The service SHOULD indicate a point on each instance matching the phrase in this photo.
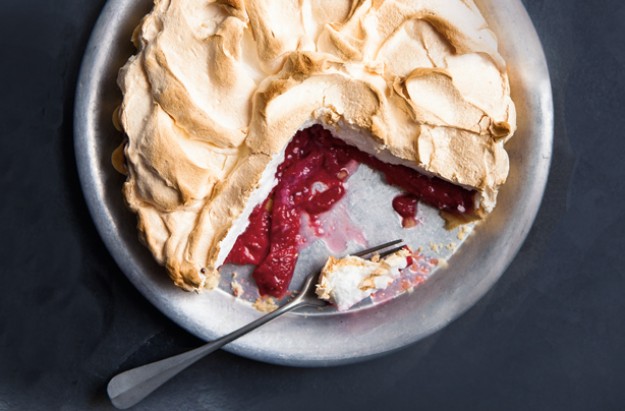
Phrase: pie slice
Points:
(218, 90)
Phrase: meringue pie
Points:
(218, 89)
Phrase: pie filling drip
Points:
(310, 180)
(406, 206)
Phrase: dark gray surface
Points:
(550, 335)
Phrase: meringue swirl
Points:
(218, 88)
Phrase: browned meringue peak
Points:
(217, 90)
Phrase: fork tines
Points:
(382, 249)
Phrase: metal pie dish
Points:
(301, 339)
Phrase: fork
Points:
(129, 387)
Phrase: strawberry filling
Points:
(311, 180)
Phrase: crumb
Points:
(235, 286)
(375, 258)
(435, 247)
(265, 305)
(237, 289)
(451, 246)
(442, 263)
(462, 232)
(211, 280)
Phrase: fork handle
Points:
(129, 387)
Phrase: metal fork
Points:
(129, 387)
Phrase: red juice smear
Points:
(310, 181)
(336, 229)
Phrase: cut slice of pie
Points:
(313, 177)
(218, 90)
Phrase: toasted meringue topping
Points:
(218, 88)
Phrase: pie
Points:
(218, 89)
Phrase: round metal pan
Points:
(336, 338)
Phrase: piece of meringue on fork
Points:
(344, 282)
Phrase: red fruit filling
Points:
(311, 180)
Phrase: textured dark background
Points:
(550, 334)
